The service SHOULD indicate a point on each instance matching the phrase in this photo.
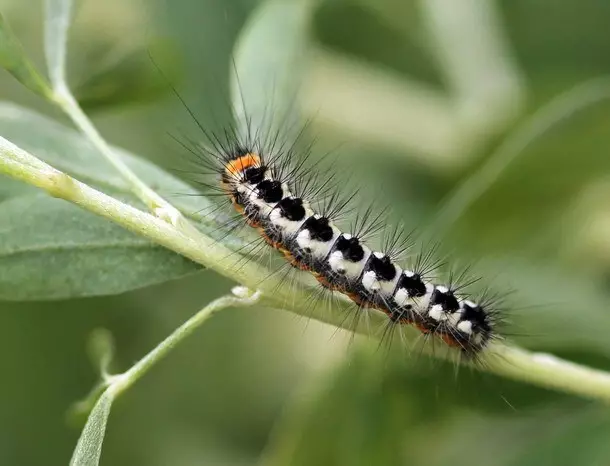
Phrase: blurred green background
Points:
(412, 98)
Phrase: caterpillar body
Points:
(262, 189)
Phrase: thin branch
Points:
(89, 447)
(241, 297)
(57, 24)
(498, 358)
(115, 384)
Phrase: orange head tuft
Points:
(240, 164)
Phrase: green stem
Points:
(192, 244)
(548, 371)
(159, 206)
(99, 401)
(499, 358)
(57, 24)
(118, 383)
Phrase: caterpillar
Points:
(267, 185)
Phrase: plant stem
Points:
(548, 370)
(118, 383)
(499, 358)
(57, 24)
(194, 245)
(99, 401)
(159, 206)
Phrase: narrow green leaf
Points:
(128, 78)
(71, 152)
(353, 418)
(15, 61)
(11, 188)
(524, 151)
(50, 249)
(89, 447)
(269, 60)
(587, 428)
(378, 407)
(57, 22)
(517, 437)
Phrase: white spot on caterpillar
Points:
(465, 327)
(436, 312)
(401, 297)
(370, 282)
(421, 303)
(336, 262)
(350, 269)
(318, 249)
(386, 287)
(288, 227)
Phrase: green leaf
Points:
(14, 60)
(269, 61)
(89, 447)
(508, 211)
(558, 435)
(129, 77)
(69, 151)
(58, 251)
(351, 419)
(57, 23)
(382, 408)
(11, 188)
(50, 249)
(587, 428)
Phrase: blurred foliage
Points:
(261, 387)
(14, 60)
(128, 77)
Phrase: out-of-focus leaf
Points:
(130, 77)
(268, 65)
(379, 408)
(547, 118)
(89, 447)
(71, 152)
(570, 438)
(353, 418)
(526, 204)
(50, 249)
(558, 436)
(11, 188)
(14, 60)
(57, 23)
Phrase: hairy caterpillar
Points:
(268, 185)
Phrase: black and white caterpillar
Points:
(262, 189)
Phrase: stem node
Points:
(61, 186)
